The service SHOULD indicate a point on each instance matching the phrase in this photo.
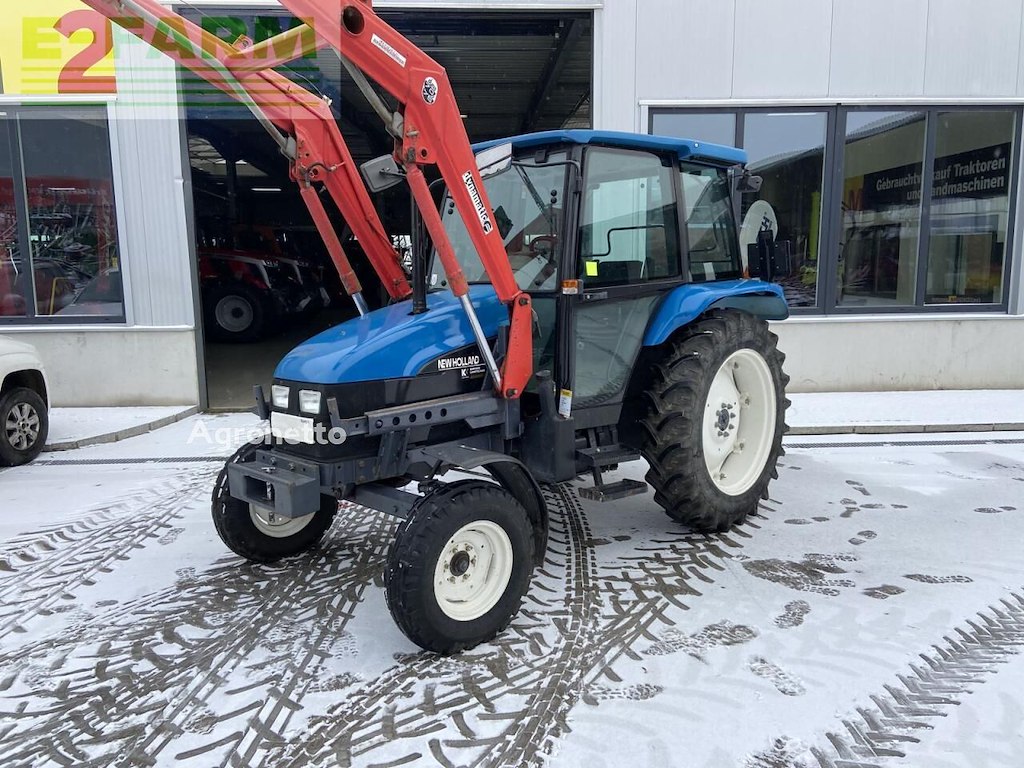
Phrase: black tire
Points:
(415, 553)
(246, 305)
(24, 425)
(677, 397)
(236, 528)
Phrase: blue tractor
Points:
(576, 300)
(648, 341)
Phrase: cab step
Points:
(607, 455)
(614, 491)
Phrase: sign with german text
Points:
(979, 173)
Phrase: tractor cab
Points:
(609, 233)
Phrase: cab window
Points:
(528, 202)
(711, 229)
(629, 231)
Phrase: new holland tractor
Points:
(577, 301)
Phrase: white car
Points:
(24, 418)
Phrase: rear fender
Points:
(684, 304)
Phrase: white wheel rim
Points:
(473, 570)
(22, 426)
(739, 422)
(277, 527)
(234, 314)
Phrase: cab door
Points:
(628, 256)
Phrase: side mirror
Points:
(381, 173)
(491, 162)
(747, 182)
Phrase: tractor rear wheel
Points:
(716, 416)
(235, 312)
(255, 533)
(459, 566)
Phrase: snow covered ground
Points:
(69, 426)
(871, 615)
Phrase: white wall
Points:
(788, 49)
(116, 366)
(151, 193)
(905, 353)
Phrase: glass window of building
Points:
(629, 229)
(857, 213)
(787, 149)
(970, 207)
(711, 230)
(880, 231)
(712, 127)
(12, 267)
(72, 227)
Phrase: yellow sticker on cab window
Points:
(591, 268)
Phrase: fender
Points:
(23, 360)
(510, 473)
(684, 304)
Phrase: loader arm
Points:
(427, 129)
(300, 123)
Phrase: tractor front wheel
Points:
(459, 566)
(713, 431)
(256, 533)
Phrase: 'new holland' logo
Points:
(478, 203)
(448, 363)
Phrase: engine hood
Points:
(390, 343)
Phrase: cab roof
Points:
(684, 148)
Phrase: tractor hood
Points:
(390, 343)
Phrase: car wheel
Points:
(24, 425)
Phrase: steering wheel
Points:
(543, 246)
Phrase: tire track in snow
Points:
(42, 569)
(510, 703)
(887, 729)
(417, 698)
(265, 729)
(149, 681)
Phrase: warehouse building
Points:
(887, 138)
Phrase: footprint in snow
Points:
(884, 592)
(808, 575)
(858, 486)
(712, 636)
(793, 615)
(784, 682)
(596, 693)
(861, 537)
(926, 579)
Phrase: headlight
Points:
(309, 401)
(279, 396)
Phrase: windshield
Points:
(528, 210)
